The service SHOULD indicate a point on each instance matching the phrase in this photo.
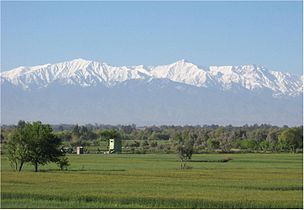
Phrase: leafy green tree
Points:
(43, 146)
(225, 140)
(184, 153)
(34, 143)
(184, 149)
(219, 132)
(181, 152)
(202, 138)
(76, 130)
(21, 124)
(213, 144)
(17, 148)
(291, 139)
(109, 134)
(189, 148)
(258, 135)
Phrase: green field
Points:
(155, 181)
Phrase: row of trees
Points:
(39, 144)
(204, 138)
(34, 143)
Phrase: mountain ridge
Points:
(87, 73)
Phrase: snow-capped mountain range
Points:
(85, 73)
(82, 91)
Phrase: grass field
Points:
(155, 181)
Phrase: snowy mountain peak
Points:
(80, 60)
(87, 73)
(183, 62)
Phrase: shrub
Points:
(63, 163)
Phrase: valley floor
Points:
(155, 181)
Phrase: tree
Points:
(21, 124)
(291, 139)
(272, 138)
(76, 130)
(188, 148)
(34, 143)
(184, 150)
(181, 151)
(226, 141)
(259, 135)
(44, 146)
(109, 134)
(218, 132)
(184, 153)
(212, 144)
(17, 148)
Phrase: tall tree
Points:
(184, 148)
(272, 138)
(44, 146)
(17, 147)
(291, 139)
(34, 143)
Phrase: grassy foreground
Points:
(155, 181)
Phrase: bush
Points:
(63, 163)
(246, 144)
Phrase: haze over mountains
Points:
(82, 91)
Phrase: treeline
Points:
(247, 138)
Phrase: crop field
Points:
(155, 181)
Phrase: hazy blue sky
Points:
(152, 33)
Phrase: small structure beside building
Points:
(79, 150)
(114, 146)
